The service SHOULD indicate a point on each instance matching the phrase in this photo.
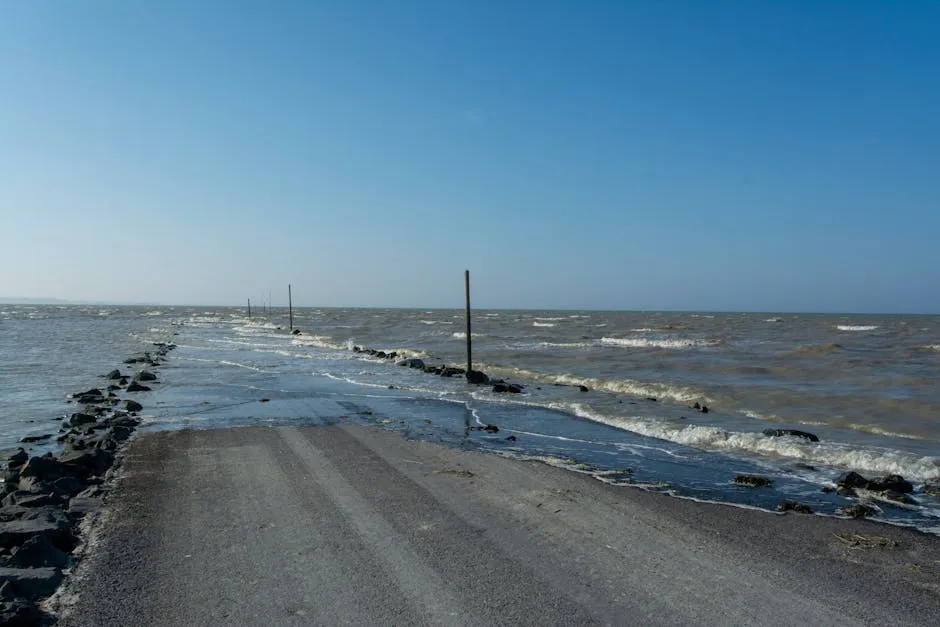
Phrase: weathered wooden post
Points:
(466, 280)
(249, 309)
(290, 307)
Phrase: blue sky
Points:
(772, 156)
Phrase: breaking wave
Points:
(871, 460)
(857, 327)
(676, 343)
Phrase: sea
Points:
(608, 394)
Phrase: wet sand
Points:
(355, 525)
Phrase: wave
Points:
(816, 349)
(774, 320)
(462, 335)
(930, 347)
(549, 319)
(543, 324)
(856, 327)
(628, 387)
(870, 460)
(677, 343)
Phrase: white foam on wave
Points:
(774, 320)
(463, 335)
(318, 341)
(644, 330)
(856, 327)
(549, 319)
(543, 324)
(428, 321)
(932, 347)
(673, 343)
(871, 460)
(876, 430)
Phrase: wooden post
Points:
(290, 307)
(466, 280)
(249, 309)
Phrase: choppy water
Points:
(868, 386)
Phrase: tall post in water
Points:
(466, 280)
(290, 307)
(249, 309)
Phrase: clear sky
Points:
(771, 156)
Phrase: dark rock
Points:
(13, 458)
(752, 481)
(93, 392)
(36, 552)
(87, 462)
(450, 371)
(511, 438)
(119, 434)
(696, 405)
(477, 377)
(264, 400)
(895, 483)
(136, 387)
(507, 387)
(584, 388)
(858, 510)
(412, 363)
(80, 419)
(32, 583)
(123, 420)
(114, 375)
(67, 486)
(778, 433)
(295, 332)
(6, 594)
(652, 398)
(846, 492)
(899, 497)
(20, 612)
(30, 499)
(35, 438)
(853, 480)
(793, 506)
(132, 406)
(36, 522)
(491, 429)
(436, 370)
(43, 468)
(357, 349)
(145, 375)
(381, 354)
(704, 409)
(112, 388)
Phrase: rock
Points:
(119, 434)
(80, 419)
(93, 392)
(295, 332)
(511, 438)
(899, 497)
(20, 612)
(112, 388)
(136, 387)
(704, 409)
(852, 480)
(35, 438)
(778, 433)
(132, 406)
(43, 468)
(753, 481)
(696, 405)
(32, 583)
(34, 485)
(114, 375)
(450, 371)
(412, 363)
(67, 486)
(507, 387)
(436, 370)
(381, 354)
(92, 461)
(145, 375)
(36, 552)
(36, 522)
(13, 458)
(652, 398)
(30, 499)
(932, 488)
(491, 429)
(793, 506)
(477, 377)
(859, 510)
(895, 483)
(584, 388)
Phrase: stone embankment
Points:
(44, 499)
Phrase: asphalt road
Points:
(349, 525)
